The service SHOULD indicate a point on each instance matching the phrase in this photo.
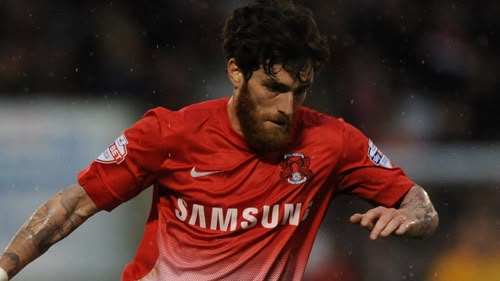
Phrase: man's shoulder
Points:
(310, 118)
(190, 113)
(320, 127)
(203, 105)
(190, 120)
(208, 105)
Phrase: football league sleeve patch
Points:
(115, 153)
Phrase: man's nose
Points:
(286, 103)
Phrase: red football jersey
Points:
(221, 213)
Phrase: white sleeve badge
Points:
(377, 156)
(115, 153)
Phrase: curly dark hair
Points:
(269, 32)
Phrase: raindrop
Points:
(352, 101)
(76, 69)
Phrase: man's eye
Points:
(274, 90)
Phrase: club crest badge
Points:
(295, 168)
(115, 153)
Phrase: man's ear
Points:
(234, 73)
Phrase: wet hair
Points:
(269, 32)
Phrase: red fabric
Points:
(247, 219)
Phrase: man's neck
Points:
(233, 119)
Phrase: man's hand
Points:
(416, 217)
(382, 221)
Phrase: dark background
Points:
(441, 55)
(407, 73)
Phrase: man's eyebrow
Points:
(274, 84)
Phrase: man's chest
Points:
(240, 193)
(221, 177)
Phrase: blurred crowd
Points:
(402, 71)
(430, 65)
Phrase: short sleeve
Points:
(367, 172)
(127, 166)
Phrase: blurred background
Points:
(418, 77)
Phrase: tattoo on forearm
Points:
(13, 257)
(52, 222)
(14, 260)
(420, 205)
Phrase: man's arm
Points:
(415, 217)
(53, 221)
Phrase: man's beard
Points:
(260, 139)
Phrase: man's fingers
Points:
(381, 222)
(370, 218)
(366, 220)
(356, 218)
(392, 222)
(392, 226)
(403, 228)
(384, 226)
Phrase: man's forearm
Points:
(418, 203)
(53, 221)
